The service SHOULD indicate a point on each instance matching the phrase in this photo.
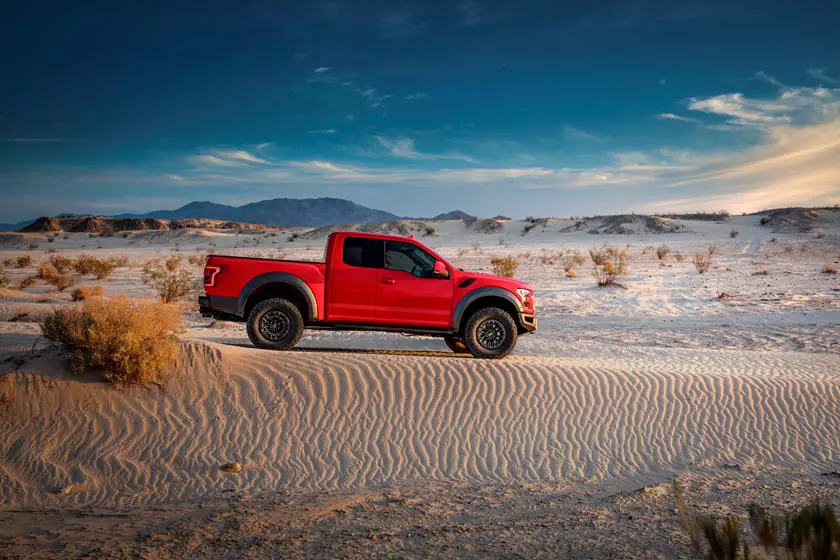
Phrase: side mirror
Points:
(440, 270)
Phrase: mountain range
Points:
(312, 212)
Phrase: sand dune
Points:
(317, 419)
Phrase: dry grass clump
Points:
(129, 341)
(85, 292)
(613, 270)
(762, 272)
(8, 261)
(4, 279)
(62, 264)
(679, 257)
(27, 282)
(812, 533)
(570, 261)
(662, 251)
(703, 261)
(169, 280)
(100, 268)
(47, 271)
(504, 266)
(827, 269)
(62, 281)
(734, 233)
(23, 261)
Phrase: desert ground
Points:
(380, 445)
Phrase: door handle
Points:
(388, 281)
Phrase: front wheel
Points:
(456, 345)
(490, 333)
(275, 324)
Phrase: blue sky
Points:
(521, 108)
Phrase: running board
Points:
(424, 331)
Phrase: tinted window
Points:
(366, 253)
(409, 258)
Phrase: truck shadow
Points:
(367, 351)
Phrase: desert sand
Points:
(367, 443)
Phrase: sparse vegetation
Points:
(24, 261)
(504, 266)
(27, 282)
(762, 272)
(703, 262)
(612, 268)
(570, 261)
(679, 257)
(85, 292)
(828, 269)
(4, 279)
(62, 281)
(812, 533)
(662, 252)
(129, 341)
(169, 280)
(734, 233)
(47, 271)
(62, 264)
(100, 268)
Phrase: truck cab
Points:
(370, 282)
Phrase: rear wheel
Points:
(275, 324)
(490, 333)
(456, 345)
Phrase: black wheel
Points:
(490, 333)
(456, 345)
(275, 324)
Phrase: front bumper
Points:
(528, 322)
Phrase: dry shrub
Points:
(8, 261)
(762, 272)
(23, 261)
(62, 264)
(712, 249)
(100, 268)
(679, 257)
(85, 292)
(196, 260)
(4, 279)
(32, 246)
(734, 233)
(572, 260)
(604, 253)
(571, 274)
(829, 270)
(703, 261)
(47, 271)
(662, 251)
(62, 281)
(27, 282)
(504, 266)
(170, 281)
(611, 271)
(130, 341)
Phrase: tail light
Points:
(210, 273)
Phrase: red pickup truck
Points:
(370, 282)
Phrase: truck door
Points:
(353, 278)
(408, 293)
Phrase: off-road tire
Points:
(490, 333)
(275, 324)
(456, 345)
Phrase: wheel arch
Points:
(485, 297)
(282, 285)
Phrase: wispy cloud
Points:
(674, 117)
(404, 148)
(571, 132)
(322, 69)
(819, 73)
(416, 96)
(323, 131)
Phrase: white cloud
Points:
(404, 148)
(673, 117)
(416, 96)
(322, 69)
(324, 131)
(321, 166)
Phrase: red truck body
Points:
(370, 282)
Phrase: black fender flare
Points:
(278, 278)
(480, 293)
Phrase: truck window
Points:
(409, 258)
(363, 252)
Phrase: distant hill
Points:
(15, 227)
(454, 215)
(278, 212)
